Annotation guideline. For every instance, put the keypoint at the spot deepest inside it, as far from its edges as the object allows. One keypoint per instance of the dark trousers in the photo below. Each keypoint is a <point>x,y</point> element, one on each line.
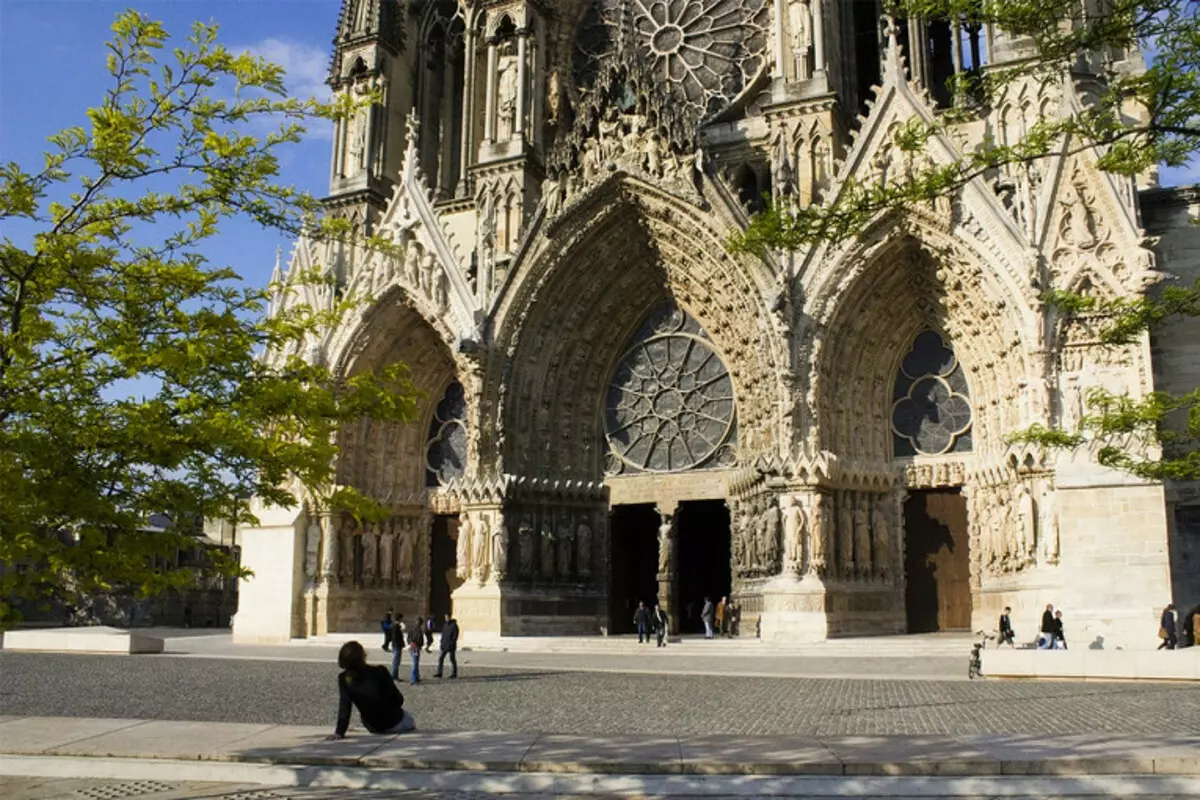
<point>662,634</point>
<point>453,664</point>
<point>642,632</point>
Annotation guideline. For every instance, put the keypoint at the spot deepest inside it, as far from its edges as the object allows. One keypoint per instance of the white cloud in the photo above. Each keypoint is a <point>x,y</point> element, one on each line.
<point>305,69</point>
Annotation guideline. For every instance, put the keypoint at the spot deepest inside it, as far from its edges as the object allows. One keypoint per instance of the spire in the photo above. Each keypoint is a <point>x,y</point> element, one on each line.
<point>277,273</point>
<point>371,19</point>
<point>893,58</point>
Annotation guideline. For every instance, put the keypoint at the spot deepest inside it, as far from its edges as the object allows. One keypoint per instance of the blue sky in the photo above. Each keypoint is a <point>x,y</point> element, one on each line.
<point>52,69</point>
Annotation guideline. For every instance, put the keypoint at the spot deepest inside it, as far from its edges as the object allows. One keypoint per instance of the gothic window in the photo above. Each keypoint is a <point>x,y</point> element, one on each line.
<point>670,405</point>
<point>931,406</point>
<point>708,53</point>
<point>446,451</point>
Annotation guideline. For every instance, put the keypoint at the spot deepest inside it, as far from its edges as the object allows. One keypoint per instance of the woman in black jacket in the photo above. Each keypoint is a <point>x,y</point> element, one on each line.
<point>368,688</point>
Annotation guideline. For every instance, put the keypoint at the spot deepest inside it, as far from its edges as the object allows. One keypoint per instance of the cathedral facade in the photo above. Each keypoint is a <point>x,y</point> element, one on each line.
<point>617,408</point>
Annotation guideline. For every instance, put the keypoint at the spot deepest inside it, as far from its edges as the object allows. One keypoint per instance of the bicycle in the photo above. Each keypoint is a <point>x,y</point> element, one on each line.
<point>975,666</point>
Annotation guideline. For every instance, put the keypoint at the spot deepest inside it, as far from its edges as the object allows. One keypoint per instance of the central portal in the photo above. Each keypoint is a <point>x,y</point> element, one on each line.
<point>703,569</point>
<point>937,569</point>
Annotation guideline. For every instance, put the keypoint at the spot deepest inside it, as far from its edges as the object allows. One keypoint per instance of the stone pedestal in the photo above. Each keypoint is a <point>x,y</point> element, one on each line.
<point>479,609</point>
<point>793,610</point>
<point>270,608</point>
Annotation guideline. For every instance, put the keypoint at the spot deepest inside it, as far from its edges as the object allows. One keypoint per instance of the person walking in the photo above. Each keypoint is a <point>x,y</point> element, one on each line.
<point>720,616</point>
<point>399,640</point>
<point>1046,636</point>
<point>386,625</point>
<point>641,618</point>
<point>416,638</point>
<point>448,648</point>
<point>1007,636</point>
<point>367,688</point>
<point>429,634</point>
<point>1060,638</point>
<point>733,613</point>
<point>1166,628</point>
<point>707,615</point>
<point>660,624</point>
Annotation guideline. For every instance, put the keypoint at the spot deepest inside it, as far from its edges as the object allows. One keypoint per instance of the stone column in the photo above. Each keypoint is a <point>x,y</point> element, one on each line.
<point>489,118</point>
<point>668,534</point>
<point>522,80</point>
<point>468,112</point>
<point>818,36</point>
<point>780,46</point>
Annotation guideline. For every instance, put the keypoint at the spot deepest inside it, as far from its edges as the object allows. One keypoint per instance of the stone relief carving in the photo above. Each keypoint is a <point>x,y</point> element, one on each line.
<point>548,542</point>
<point>862,537</point>
<point>583,542</point>
<point>525,546</point>
<point>482,545</point>
<point>566,545</point>
<point>882,530</point>
<point>463,549</point>
<point>795,532</point>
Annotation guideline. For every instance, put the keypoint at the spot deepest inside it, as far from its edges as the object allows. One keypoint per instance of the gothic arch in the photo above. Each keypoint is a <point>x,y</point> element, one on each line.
<point>577,296</point>
<point>865,319</point>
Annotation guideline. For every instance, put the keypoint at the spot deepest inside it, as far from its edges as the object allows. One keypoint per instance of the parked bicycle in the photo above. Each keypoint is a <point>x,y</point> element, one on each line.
<point>975,668</point>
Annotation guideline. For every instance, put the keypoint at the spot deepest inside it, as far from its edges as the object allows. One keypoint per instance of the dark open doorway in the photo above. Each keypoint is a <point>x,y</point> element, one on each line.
<point>703,568</point>
<point>442,562</point>
<point>634,538</point>
<point>937,595</point>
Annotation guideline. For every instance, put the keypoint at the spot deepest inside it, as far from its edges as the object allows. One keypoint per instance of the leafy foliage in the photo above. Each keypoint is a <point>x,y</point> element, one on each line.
<point>130,382</point>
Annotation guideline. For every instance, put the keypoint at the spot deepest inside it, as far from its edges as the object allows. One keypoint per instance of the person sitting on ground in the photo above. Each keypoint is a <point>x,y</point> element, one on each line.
<point>368,688</point>
<point>1046,637</point>
<point>1007,636</point>
<point>1060,639</point>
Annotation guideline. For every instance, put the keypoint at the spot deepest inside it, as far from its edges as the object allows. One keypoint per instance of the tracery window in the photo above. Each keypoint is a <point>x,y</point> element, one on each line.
<point>446,448</point>
<point>670,405</point>
<point>931,405</point>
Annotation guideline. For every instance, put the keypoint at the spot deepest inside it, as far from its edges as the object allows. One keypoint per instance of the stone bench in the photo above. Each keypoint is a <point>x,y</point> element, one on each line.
<point>92,639</point>
<point>1179,665</point>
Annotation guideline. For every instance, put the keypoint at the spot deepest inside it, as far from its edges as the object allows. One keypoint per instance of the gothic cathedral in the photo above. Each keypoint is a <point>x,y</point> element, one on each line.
<point>616,408</point>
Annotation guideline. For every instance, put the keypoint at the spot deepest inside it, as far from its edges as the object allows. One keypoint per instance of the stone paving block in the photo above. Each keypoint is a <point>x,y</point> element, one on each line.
<point>35,735</point>
<point>467,750</point>
<point>1085,754</point>
<point>164,739</point>
<point>739,755</point>
<point>286,744</point>
<point>632,754</point>
<point>910,755</point>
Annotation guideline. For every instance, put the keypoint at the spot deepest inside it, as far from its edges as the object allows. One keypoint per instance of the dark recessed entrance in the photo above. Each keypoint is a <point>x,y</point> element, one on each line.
<point>937,595</point>
<point>703,568</point>
<point>634,541</point>
<point>443,557</point>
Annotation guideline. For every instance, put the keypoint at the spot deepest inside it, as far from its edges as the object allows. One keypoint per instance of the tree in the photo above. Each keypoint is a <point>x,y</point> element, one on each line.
<point>130,376</point>
<point>1133,120</point>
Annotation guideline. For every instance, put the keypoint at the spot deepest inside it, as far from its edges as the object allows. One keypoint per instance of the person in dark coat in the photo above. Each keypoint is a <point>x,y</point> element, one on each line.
<point>661,623</point>
<point>449,647</point>
<point>1007,636</point>
<point>641,618</point>
<point>399,640</point>
<point>416,638</point>
<point>1046,636</point>
<point>386,625</point>
<point>1166,628</point>
<point>1060,638</point>
<point>369,689</point>
<point>429,634</point>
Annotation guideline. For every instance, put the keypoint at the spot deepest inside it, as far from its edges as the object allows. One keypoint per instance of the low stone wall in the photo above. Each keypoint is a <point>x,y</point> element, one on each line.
<point>1180,665</point>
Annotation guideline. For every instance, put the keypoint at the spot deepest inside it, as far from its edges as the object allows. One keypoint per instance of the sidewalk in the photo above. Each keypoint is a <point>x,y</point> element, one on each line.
<point>172,742</point>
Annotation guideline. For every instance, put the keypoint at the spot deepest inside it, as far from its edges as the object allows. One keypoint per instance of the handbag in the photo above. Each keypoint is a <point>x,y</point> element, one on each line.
<point>1163,634</point>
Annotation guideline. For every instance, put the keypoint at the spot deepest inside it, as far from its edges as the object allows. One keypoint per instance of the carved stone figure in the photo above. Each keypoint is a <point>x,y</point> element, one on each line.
<point>566,545</point>
<point>1048,526</point>
<point>800,30</point>
<point>1026,525</point>
<point>1077,227</point>
<point>583,553</point>
<point>312,547</point>
<point>466,532</point>
<point>862,536</point>
<point>356,143</point>
<point>407,536</point>
<point>506,95</point>
<point>329,549</point>
<point>794,532</point>
<point>482,544</point>
<point>770,543</point>
<point>821,534</point>
<point>348,545</point>
<point>653,151</point>
<point>882,530</point>
<point>525,546</point>
<point>547,536</point>
<point>370,545</point>
<point>782,175</point>
<point>500,553</point>
<point>666,545</point>
<point>845,532</point>
<point>387,560</point>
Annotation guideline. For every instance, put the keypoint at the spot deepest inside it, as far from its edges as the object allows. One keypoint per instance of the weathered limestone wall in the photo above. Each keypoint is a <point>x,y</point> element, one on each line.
<point>268,607</point>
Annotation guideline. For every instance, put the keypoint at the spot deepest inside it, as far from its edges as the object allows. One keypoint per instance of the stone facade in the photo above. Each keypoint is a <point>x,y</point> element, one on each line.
<point>562,180</point>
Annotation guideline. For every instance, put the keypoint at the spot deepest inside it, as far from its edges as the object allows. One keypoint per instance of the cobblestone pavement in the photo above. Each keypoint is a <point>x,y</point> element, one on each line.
<point>166,687</point>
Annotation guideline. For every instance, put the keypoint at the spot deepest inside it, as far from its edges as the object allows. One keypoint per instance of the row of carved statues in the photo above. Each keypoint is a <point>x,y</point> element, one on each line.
<point>385,555</point>
<point>1014,530</point>
<point>547,546</point>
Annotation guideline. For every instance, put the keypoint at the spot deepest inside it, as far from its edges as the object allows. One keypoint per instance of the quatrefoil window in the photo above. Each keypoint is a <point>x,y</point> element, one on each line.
<point>931,405</point>
<point>446,448</point>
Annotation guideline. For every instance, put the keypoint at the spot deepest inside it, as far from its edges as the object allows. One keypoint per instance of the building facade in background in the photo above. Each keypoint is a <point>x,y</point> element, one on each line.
<point>616,408</point>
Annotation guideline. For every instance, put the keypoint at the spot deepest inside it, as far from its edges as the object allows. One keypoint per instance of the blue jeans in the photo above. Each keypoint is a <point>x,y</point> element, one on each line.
<point>396,663</point>
<point>708,629</point>
<point>415,675</point>
<point>641,626</point>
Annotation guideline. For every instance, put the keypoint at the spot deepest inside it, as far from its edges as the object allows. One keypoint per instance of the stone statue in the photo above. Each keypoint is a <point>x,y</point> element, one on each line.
<point>822,534</point>
<point>610,139</point>
<point>1076,225</point>
<point>412,259</point>
<point>1048,528</point>
<point>794,531</point>
<point>500,553</point>
<point>738,531</point>
<point>525,546</point>
<point>566,544</point>
<point>348,539</point>
<point>800,29</point>
<point>329,550</point>
<point>751,539</point>
<point>356,143</point>
<point>881,528</point>
<point>387,560</point>
<point>506,95</point>
<point>1026,525</point>
<point>862,536</point>
<point>370,543</point>
<point>583,551</point>
<point>406,546</point>
<point>312,547</point>
<point>462,566</point>
<point>771,546</point>
<point>482,543</point>
<point>653,151</point>
<point>845,531</point>
<point>781,165</point>
<point>547,548</point>
<point>666,545</point>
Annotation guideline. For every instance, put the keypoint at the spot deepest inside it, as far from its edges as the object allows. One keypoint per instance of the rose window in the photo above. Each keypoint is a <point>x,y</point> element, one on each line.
<point>706,52</point>
<point>931,409</point>
<point>670,405</point>
<point>446,449</point>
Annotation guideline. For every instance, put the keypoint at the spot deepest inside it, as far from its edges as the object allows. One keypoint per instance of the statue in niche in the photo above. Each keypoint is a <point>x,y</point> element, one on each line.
<point>845,530</point>
<point>554,190</point>
<point>553,100</point>
<point>738,557</point>
<point>525,546</point>
<point>462,566</point>
<point>800,29</point>
<point>1077,227</point>
<point>610,138</point>
<point>441,291</point>
<point>822,166</point>
<point>751,539</point>
<point>794,531</point>
<point>506,93</point>
<point>1048,526</point>
<point>566,545</point>
<point>356,143</point>
<point>370,545</point>
<point>583,552</point>
<point>653,152</point>
<point>820,534</point>
<point>771,519</point>
<point>862,536</point>
<point>782,175</point>
<point>387,561</point>
<point>881,528</point>
<point>329,550</point>
<point>547,537</point>
<point>412,258</point>
<point>348,538</point>
<point>408,530</point>
<point>427,268</point>
<point>482,543</point>
<point>666,545</point>
<point>592,160</point>
<point>500,553</point>
<point>312,546</point>
<point>1026,524</point>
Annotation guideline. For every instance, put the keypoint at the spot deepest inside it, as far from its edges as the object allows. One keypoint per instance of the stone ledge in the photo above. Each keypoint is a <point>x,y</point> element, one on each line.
<point>1160,665</point>
<point>98,639</point>
<point>502,752</point>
